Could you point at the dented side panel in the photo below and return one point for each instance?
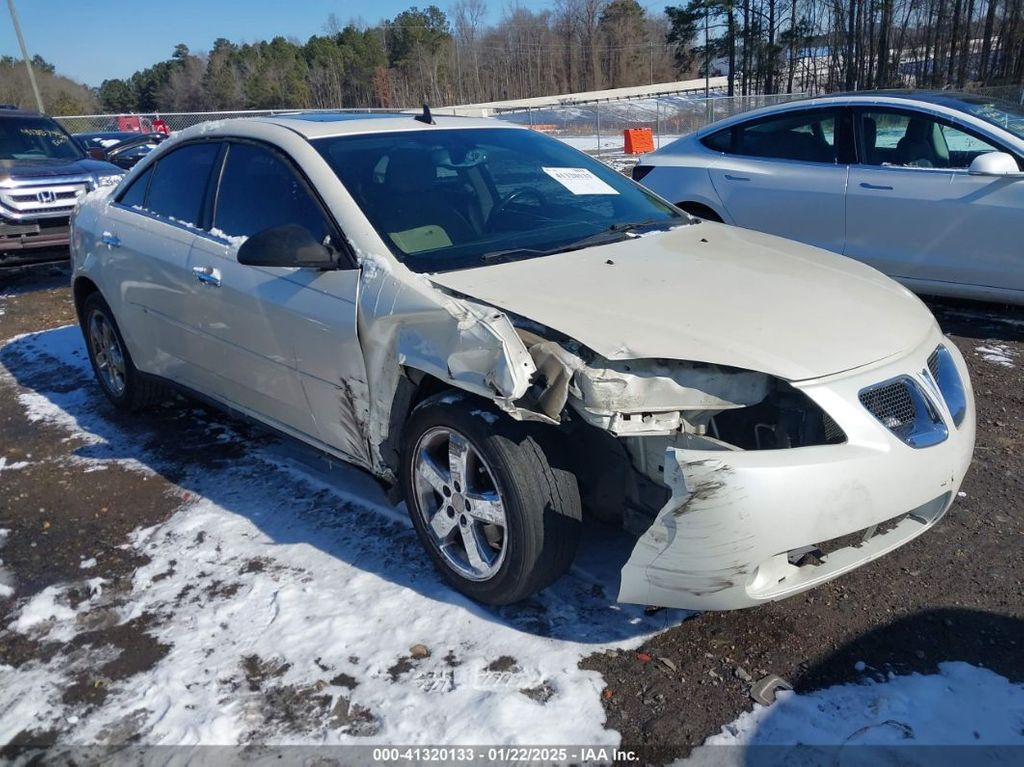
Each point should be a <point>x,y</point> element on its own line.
<point>410,324</point>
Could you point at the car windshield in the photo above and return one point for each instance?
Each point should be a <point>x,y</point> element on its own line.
<point>32,138</point>
<point>1005,114</point>
<point>450,199</point>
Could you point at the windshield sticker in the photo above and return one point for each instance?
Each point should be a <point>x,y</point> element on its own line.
<point>579,181</point>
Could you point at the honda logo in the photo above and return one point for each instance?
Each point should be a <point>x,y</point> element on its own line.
<point>46,196</point>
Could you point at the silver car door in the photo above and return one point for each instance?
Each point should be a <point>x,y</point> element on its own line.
<point>150,230</point>
<point>281,341</point>
<point>782,176</point>
<point>915,213</point>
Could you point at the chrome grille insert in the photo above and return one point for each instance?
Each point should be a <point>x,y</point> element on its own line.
<point>903,408</point>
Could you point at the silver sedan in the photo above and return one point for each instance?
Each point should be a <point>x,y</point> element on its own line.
<point>926,187</point>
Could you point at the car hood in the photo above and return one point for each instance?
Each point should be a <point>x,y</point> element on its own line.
<point>38,169</point>
<point>710,293</point>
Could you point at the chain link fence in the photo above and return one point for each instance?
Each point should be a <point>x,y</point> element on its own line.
<point>594,127</point>
<point>598,127</point>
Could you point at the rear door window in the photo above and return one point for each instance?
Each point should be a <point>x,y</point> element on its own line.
<point>258,191</point>
<point>805,137</point>
<point>177,190</point>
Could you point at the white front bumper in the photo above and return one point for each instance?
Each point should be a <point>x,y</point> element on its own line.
<point>723,540</point>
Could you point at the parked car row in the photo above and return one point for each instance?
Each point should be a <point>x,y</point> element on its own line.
<point>43,172</point>
<point>926,187</point>
<point>521,342</point>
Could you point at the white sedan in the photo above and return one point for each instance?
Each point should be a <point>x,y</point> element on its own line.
<point>522,342</point>
<point>926,187</point>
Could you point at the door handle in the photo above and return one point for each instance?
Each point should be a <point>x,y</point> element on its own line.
<point>110,240</point>
<point>207,275</point>
<point>866,185</point>
<point>731,177</point>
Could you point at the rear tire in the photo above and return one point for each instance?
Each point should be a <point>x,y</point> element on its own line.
<point>475,478</point>
<point>121,383</point>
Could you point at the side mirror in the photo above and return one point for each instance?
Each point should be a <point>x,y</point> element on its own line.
<point>96,153</point>
<point>288,245</point>
<point>995,164</point>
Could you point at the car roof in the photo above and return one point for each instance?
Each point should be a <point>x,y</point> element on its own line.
<point>945,99</point>
<point>314,125</point>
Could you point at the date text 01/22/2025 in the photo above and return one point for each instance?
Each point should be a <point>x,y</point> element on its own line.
<point>503,754</point>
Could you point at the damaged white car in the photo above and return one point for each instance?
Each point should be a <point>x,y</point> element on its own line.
<point>521,342</point>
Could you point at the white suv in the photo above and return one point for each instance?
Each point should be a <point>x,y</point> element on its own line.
<point>522,341</point>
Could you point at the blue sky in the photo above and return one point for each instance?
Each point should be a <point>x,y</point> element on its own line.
<point>92,40</point>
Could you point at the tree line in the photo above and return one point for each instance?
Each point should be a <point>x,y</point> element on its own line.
<point>460,56</point>
<point>61,95</point>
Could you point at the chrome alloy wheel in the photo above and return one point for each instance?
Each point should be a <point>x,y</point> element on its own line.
<point>107,353</point>
<point>458,500</point>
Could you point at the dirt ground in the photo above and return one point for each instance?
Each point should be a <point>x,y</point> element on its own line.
<point>956,593</point>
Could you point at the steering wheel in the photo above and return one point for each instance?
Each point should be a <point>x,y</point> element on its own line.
<point>499,210</point>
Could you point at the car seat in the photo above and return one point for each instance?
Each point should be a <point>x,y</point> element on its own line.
<point>415,214</point>
<point>917,147</point>
<point>869,130</point>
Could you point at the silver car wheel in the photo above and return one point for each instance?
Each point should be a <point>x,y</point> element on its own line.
<point>459,502</point>
<point>107,354</point>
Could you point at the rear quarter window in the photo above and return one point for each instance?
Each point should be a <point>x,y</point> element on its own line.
<point>721,141</point>
<point>135,195</point>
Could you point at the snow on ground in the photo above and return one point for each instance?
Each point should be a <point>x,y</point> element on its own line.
<point>284,579</point>
<point>6,579</point>
<point>997,354</point>
<point>960,705</point>
<point>297,607</point>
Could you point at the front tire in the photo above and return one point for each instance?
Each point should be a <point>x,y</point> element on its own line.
<point>498,520</point>
<point>120,381</point>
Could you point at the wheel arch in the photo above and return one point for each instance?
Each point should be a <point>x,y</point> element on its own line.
<point>82,288</point>
<point>701,210</point>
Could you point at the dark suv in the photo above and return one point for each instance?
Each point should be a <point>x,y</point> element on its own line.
<point>42,173</point>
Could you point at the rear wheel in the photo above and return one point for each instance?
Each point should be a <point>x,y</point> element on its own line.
<point>120,381</point>
<point>497,519</point>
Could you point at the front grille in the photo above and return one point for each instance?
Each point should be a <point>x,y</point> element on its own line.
<point>891,404</point>
<point>933,362</point>
<point>48,198</point>
<point>833,433</point>
<point>904,409</point>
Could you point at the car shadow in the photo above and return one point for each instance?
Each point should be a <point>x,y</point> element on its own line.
<point>974,319</point>
<point>239,466</point>
<point>30,279</point>
<point>922,643</point>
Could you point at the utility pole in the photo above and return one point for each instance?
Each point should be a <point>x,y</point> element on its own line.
<point>24,55</point>
<point>707,54</point>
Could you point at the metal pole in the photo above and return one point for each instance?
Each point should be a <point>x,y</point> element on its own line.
<point>24,55</point>
<point>707,55</point>
<point>657,124</point>
<point>597,110</point>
